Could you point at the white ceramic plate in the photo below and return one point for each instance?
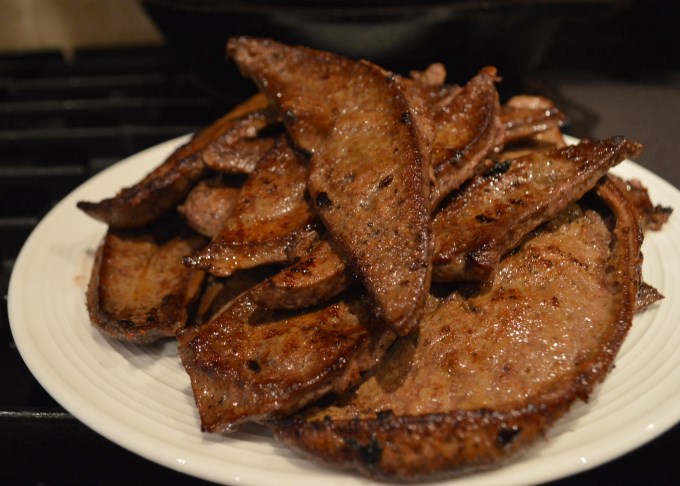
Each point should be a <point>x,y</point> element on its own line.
<point>140,397</point>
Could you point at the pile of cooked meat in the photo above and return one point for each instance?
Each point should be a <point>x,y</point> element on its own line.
<point>388,270</point>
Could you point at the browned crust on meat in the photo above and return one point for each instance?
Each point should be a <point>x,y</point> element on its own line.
<point>139,291</point>
<point>524,116</point>
<point>248,364</point>
<point>239,149</point>
<point>405,447</point>
<point>421,448</point>
<point>165,186</point>
<point>652,217</point>
<point>209,204</point>
<point>146,201</point>
<point>367,176</point>
<point>467,130</point>
<point>272,222</point>
<point>315,278</point>
<point>495,212</point>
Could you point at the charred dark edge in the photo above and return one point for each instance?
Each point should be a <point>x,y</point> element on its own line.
<point>131,209</point>
<point>125,330</point>
<point>173,178</point>
<point>376,448</point>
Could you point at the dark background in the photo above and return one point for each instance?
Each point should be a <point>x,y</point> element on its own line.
<point>611,66</point>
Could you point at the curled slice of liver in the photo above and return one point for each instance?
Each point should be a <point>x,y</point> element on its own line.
<point>523,116</point>
<point>467,130</point>
<point>492,215</point>
<point>167,185</point>
<point>238,150</point>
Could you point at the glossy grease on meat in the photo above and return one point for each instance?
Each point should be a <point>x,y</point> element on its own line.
<point>467,131</point>
<point>492,215</point>
<point>250,364</point>
<point>164,187</point>
<point>524,116</point>
<point>209,204</point>
<point>316,278</point>
<point>368,179</point>
<point>272,222</point>
<point>139,291</point>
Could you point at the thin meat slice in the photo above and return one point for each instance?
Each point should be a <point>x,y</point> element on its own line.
<point>249,364</point>
<point>314,279</point>
<point>523,116</point>
<point>271,222</point>
<point>139,291</point>
<point>647,296</point>
<point>209,204</point>
<point>542,141</point>
<point>467,130</point>
<point>493,214</point>
<point>164,187</point>
<point>218,292</point>
<point>652,216</point>
<point>367,176</point>
<point>238,150</point>
<point>488,373</point>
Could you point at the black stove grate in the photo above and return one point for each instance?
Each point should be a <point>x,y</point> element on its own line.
<point>60,123</point>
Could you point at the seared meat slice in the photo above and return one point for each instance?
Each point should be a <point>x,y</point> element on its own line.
<point>467,130</point>
<point>139,291</point>
<point>493,214</point>
<point>524,115</point>
<point>164,187</point>
<point>209,204</point>
<point>488,374</point>
<point>368,179</point>
<point>315,278</point>
<point>271,222</point>
<point>248,364</point>
<point>239,149</point>
<point>647,295</point>
<point>542,141</point>
<point>652,217</point>
<point>218,292</point>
